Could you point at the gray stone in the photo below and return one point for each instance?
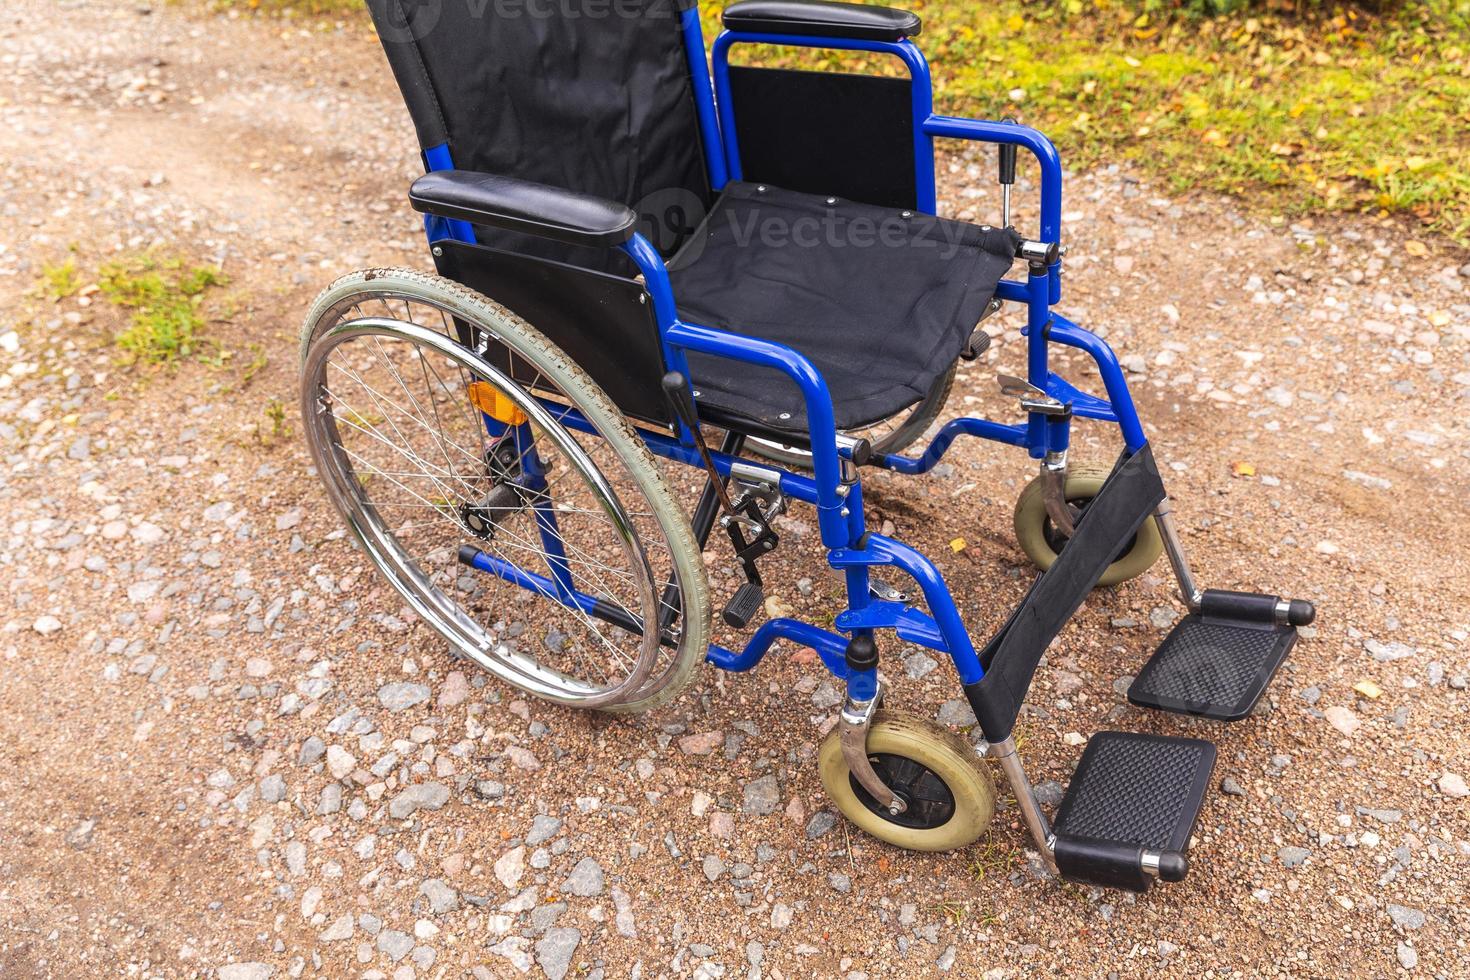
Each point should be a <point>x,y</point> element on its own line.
<point>331,801</point>
<point>442,898</point>
<point>272,789</point>
<point>245,971</point>
<point>1405,917</point>
<point>586,879</point>
<point>821,822</point>
<point>1408,957</point>
<point>1230,787</point>
<point>402,695</point>
<point>918,664</point>
<point>394,944</point>
<point>1293,857</point>
<point>554,951</point>
<point>839,882</point>
<point>81,835</point>
<point>311,750</point>
<point>543,828</point>
<point>956,712</point>
<point>761,796</point>
<point>713,867</point>
<point>1049,793</point>
<point>1387,652</point>
<point>420,796</point>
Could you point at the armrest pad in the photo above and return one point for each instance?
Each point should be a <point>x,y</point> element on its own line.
<point>823,18</point>
<point>524,206</point>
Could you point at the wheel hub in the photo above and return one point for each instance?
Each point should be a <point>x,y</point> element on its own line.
<point>928,802</point>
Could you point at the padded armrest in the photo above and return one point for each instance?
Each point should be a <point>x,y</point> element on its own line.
<point>823,18</point>
<point>523,205</point>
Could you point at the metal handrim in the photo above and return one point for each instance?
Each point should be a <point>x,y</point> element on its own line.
<point>424,597</point>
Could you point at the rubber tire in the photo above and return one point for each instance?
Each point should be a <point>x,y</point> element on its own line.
<point>1083,483</point>
<point>666,685</point>
<point>920,417</point>
<point>949,756</point>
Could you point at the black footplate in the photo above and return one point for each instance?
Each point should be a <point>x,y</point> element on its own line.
<point>743,605</point>
<point>1130,809</point>
<point>1217,663</point>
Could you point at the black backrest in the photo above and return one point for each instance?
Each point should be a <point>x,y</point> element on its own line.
<point>592,95</point>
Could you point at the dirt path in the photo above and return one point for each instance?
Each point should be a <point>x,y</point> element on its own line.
<point>186,630</point>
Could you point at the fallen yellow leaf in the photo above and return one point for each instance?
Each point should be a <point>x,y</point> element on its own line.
<point>957,545</point>
<point>1245,469</point>
<point>1416,249</point>
<point>1368,689</point>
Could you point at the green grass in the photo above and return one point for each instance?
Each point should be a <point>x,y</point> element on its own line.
<point>1346,112</point>
<point>60,281</point>
<point>166,297</point>
<point>1339,111</point>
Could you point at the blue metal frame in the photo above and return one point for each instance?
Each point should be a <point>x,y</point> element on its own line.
<point>851,548</point>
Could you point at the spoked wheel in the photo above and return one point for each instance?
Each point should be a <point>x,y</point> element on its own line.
<point>533,531</point>
<point>891,435</point>
<point>1043,541</point>
<point>944,785</point>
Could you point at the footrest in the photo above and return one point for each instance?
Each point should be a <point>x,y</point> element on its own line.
<point>1131,806</point>
<point>743,605</point>
<point>1212,667</point>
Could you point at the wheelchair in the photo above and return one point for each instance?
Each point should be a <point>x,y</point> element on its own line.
<point>640,245</point>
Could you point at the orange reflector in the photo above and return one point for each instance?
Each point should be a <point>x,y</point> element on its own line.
<point>494,403</point>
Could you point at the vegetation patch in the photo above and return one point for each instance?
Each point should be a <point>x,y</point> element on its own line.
<point>166,297</point>
<point>1294,106</point>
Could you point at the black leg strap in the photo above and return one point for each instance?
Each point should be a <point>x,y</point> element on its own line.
<point>1127,499</point>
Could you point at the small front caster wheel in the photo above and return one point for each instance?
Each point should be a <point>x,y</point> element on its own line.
<point>1042,540</point>
<point>944,784</point>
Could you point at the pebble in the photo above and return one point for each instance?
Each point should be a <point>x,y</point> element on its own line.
<point>340,762</point>
<point>917,665</point>
<point>1407,957</point>
<point>394,944</point>
<point>272,789</point>
<point>1405,917</point>
<point>1293,857</point>
<point>340,929</point>
<point>1230,787</point>
<point>311,750</point>
<point>402,695</point>
<point>46,625</point>
<point>820,823</point>
<point>761,796</point>
<point>543,828</point>
<point>586,879</point>
<point>510,867</point>
<point>420,796</point>
<point>245,971</point>
<point>442,898</point>
<point>455,689</point>
<point>839,882</point>
<point>1453,785</point>
<point>1342,719</point>
<point>555,949</point>
<point>956,712</point>
<point>704,743</point>
<point>712,867</point>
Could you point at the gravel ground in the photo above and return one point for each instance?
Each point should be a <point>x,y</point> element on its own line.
<point>226,750</point>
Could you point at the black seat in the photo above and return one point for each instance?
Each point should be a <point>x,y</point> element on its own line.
<point>881,300</point>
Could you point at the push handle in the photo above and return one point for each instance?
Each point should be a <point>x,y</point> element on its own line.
<point>1007,176</point>
<point>1007,163</point>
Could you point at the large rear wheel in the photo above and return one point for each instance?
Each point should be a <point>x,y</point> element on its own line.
<point>501,493</point>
